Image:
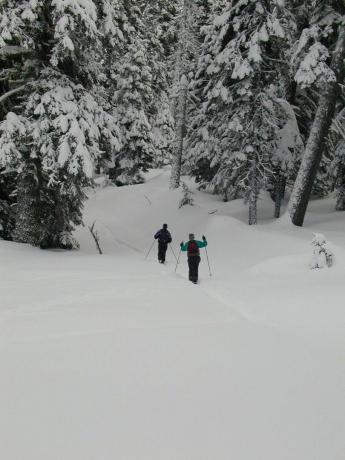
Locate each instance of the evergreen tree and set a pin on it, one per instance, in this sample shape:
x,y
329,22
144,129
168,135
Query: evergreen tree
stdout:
x,y
163,132
244,111
159,19
12,86
190,20
57,132
336,146
325,36
139,86
133,95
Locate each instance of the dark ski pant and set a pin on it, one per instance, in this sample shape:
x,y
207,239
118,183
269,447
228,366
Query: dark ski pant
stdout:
x,y
193,264
162,249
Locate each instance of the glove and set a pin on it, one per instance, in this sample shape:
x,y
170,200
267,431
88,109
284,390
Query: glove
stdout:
x,y
181,244
204,237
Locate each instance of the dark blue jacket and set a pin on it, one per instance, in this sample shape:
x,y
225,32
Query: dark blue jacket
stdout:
x,y
163,236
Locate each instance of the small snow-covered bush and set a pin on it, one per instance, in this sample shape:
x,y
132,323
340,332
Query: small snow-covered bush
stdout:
x,y
322,255
187,198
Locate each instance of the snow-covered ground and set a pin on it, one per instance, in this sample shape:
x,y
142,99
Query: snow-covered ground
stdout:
x,y
116,357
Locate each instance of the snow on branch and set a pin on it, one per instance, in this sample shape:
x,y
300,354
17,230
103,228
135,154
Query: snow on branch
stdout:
x,y
11,93
12,50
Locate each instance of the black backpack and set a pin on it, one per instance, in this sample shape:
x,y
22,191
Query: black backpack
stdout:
x,y
164,236
193,249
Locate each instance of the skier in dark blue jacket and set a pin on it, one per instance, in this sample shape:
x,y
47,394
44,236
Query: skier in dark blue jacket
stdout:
x,y
164,238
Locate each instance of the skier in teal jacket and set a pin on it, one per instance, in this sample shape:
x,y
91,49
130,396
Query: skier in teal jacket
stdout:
x,y
192,247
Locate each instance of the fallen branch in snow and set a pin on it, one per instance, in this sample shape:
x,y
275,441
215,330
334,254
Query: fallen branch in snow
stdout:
x,y
95,236
213,212
148,199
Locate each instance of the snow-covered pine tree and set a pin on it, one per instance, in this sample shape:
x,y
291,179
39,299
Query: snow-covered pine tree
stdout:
x,y
237,132
52,138
16,71
197,162
163,132
139,77
322,254
187,198
323,39
190,20
132,98
285,160
158,17
336,145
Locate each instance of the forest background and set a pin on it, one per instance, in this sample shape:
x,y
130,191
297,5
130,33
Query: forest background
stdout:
x,y
242,95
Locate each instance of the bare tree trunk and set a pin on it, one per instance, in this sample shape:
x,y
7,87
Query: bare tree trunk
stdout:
x,y
179,97
26,221
253,209
253,197
180,134
340,190
279,194
316,142
176,83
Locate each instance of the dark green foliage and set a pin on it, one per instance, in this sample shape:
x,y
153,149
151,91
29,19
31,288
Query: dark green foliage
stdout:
x,y
7,200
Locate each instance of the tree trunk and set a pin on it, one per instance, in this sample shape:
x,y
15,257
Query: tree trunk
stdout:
x,y
316,142
180,88
180,134
26,221
340,203
279,191
253,212
253,197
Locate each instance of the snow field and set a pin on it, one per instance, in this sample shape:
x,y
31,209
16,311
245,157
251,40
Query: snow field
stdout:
x,y
112,356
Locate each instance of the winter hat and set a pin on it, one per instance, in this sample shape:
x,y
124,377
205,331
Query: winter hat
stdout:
x,y
191,236
165,226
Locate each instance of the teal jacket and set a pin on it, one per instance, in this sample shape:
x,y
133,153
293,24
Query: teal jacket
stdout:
x,y
201,244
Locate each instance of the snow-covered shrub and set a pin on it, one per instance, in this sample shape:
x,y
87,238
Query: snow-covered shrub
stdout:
x,y
322,255
187,198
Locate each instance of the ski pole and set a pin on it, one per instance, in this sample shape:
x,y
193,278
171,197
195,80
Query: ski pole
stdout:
x,y
149,250
178,260
208,262
173,252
